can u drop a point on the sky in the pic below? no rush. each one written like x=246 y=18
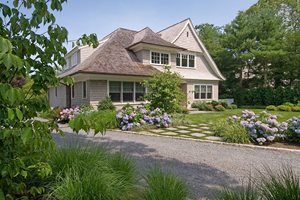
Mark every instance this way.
x=103 y=17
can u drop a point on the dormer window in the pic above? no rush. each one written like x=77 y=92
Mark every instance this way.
x=185 y=60
x=159 y=58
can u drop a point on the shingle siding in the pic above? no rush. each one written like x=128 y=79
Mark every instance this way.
x=85 y=52
x=60 y=99
x=97 y=91
x=188 y=41
x=78 y=98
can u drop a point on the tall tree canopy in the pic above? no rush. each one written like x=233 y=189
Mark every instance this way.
x=260 y=47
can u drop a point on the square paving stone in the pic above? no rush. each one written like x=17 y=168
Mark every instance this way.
x=208 y=132
x=185 y=136
x=205 y=128
x=157 y=131
x=169 y=133
x=182 y=127
x=193 y=125
x=202 y=124
x=214 y=138
x=183 y=131
x=172 y=129
x=195 y=129
x=198 y=134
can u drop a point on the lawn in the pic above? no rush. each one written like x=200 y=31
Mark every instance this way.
x=215 y=116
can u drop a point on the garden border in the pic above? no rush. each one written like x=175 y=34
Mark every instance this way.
x=209 y=141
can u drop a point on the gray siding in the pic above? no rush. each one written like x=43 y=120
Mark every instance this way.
x=189 y=42
x=97 y=91
x=59 y=100
x=78 y=98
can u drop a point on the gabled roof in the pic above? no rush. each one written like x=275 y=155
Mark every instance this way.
x=147 y=36
x=113 y=58
x=172 y=31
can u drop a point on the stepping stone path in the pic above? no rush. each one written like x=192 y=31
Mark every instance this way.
x=169 y=133
x=201 y=131
x=198 y=134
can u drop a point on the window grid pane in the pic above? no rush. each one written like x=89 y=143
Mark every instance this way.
x=184 y=60
x=115 y=91
x=191 y=61
x=155 y=57
x=84 y=89
x=178 y=59
x=164 y=59
x=197 y=92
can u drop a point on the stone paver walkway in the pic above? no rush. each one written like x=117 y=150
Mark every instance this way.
x=195 y=131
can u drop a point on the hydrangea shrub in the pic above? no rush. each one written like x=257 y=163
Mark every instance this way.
x=294 y=129
x=67 y=114
x=130 y=117
x=263 y=127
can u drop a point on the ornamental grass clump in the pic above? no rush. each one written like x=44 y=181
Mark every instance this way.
x=263 y=128
x=130 y=117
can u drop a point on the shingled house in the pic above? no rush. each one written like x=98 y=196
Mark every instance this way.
x=125 y=58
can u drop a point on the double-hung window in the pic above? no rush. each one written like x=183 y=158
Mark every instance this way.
x=159 y=58
x=73 y=91
x=203 y=92
x=115 y=91
x=126 y=91
x=185 y=60
x=84 y=89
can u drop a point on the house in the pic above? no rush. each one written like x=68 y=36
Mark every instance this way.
x=125 y=58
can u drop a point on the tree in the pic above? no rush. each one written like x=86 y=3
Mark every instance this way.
x=31 y=47
x=165 y=92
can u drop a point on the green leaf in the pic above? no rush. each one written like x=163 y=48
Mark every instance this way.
x=7 y=60
x=10 y=113
x=16 y=3
x=26 y=135
x=1 y=195
x=19 y=114
x=23 y=173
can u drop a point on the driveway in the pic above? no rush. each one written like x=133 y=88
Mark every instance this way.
x=205 y=167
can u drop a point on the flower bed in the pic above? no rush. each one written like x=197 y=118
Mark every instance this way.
x=130 y=117
x=263 y=128
x=67 y=114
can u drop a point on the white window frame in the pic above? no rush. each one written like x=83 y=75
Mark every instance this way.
x=73 y=91
x=83 y=89
x=188 y=60
x=121 y=93
x=160 y=52
x=212 y=91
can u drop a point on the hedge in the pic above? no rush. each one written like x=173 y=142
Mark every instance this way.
x=264 y=96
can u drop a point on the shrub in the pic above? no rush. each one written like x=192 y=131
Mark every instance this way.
x=284 y=184
x=224 y=104
x=296 y=108
x=219 y=108
x=232 y=106
x=215 y=103
x=162 y=186
x=165 y=92
x=284 y=108
x=52 y=114
x=91 y=173
x=288 y=104
x=294 y=129
x=106 y=104
x=67 y=114
x=86 y=108
x=209 y=107
x=262 y=128
x=271 y=108
x=231 y=132
x=201 y=105
x=129 y=117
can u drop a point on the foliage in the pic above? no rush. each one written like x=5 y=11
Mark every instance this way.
x=219 y=108
x=284 y=108
x=262 y=128
x=86 y=108
x=296 y=108
x=259 y=48
x=201 y=105
x=271 y=108
x=91 y=173
x=232 y=106
x=162 y=186
x=106 y=104
x=129 y=117
x=52 y=114
x=180 y=120
x=165 y=92
x=269 y=185
x=31 y=50
x=98 y=121
x=294 y=129
x=231 y=132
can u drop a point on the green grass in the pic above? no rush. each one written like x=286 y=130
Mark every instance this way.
x=215 y=116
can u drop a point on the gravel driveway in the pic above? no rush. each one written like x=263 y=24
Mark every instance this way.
x=206 y=167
